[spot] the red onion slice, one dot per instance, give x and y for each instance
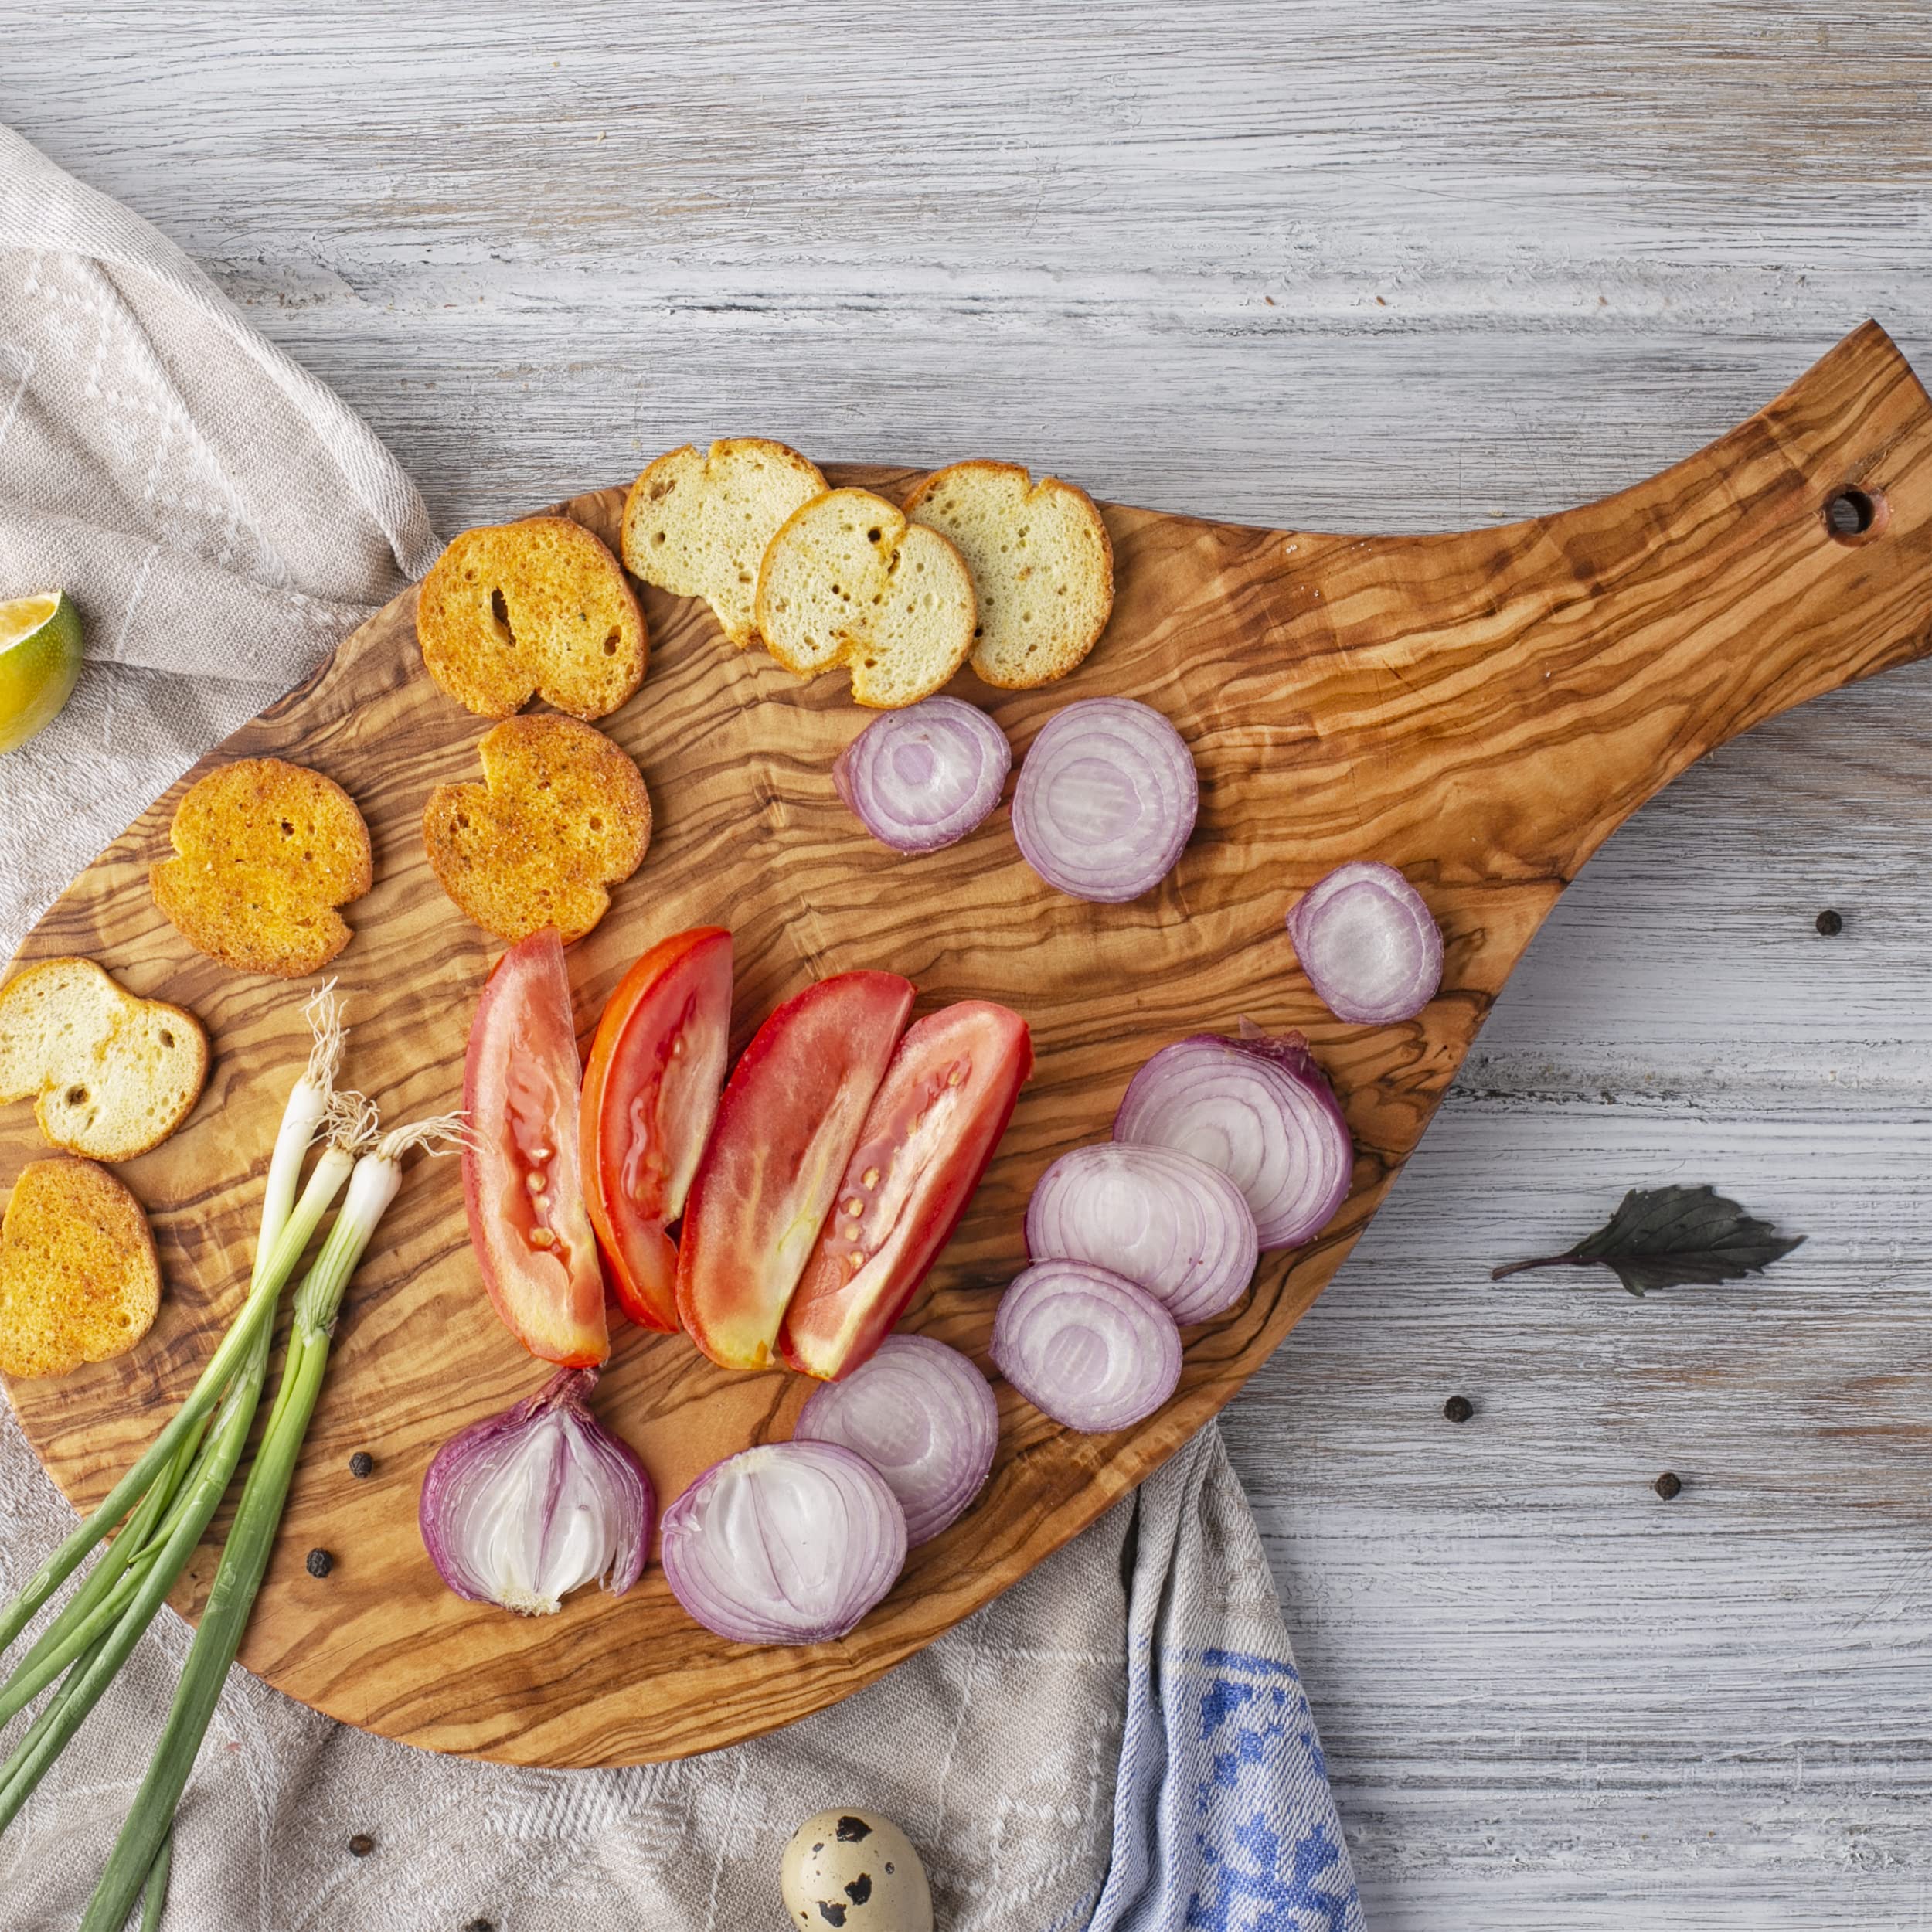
(791, 1542)
(1106, 800)
(1166, 1220)
(1085, 1346)
(1367, 943)
(924, 777)
(525, 1507)
(1258, 1109)
(922, 1415)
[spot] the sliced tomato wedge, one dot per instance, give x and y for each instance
(790, 1118)
(522, 1183)
(931, 1130)
(650, 1095)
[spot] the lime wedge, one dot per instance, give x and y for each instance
(40, 659)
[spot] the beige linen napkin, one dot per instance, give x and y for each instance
(221, 518)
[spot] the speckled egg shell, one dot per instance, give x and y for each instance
(852, 1871)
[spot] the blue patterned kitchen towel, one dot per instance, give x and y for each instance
(1222, 1816)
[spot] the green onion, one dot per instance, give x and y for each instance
(154, 1895)
(166, 1502)
(29, 1759)
(94, 1670)
(255, 1322)
(285, 1227)
(127, 1550)
(176, 1486)
(245, 1555)
(312, 1103)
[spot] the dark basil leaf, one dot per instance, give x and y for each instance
(1665, 1237)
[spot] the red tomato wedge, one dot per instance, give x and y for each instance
(788, 1122)
(650, 1095)
(934, 1124)
(522, 1183)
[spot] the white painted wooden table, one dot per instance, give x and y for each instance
(1337, 266)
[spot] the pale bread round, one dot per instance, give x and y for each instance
(1041, 562)
(698, 525)
(847, 580)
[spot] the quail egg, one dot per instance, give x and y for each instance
(853, 1871)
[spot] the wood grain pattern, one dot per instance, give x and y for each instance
(1481, 709)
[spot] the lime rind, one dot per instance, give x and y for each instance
(40, 658)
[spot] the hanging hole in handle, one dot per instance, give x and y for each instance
(1854, 516)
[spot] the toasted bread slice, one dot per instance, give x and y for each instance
(79, 1281)
(536, 608)
(110, 1076)
(847, 580)
(561, 816)
(697, 526)
(1041, 562)
(266, 851)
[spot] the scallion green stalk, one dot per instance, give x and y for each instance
(127, 1550)
(27, 1762)
(154, 1894)
(195, 1509)
(78, 1630)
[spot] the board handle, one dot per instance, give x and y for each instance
(1563, 669)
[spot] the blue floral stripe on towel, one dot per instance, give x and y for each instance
(1223, 1816)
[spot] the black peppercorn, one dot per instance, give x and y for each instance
(1831, 924)
(1458, 1409)
(1667, 1485)
(361, 1845)
(361, 1464)
(320, 1562)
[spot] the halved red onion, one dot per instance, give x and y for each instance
(1166, 1220)
(790, 1542)
(924, 777)
(1085, 1346)
(922, 1415)
(1106, 800)
(1367, 943)
(522, 1508)
(1257, 1108)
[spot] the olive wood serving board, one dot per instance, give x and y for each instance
(1481, 709)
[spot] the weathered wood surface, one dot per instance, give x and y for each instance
(1145, 244)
